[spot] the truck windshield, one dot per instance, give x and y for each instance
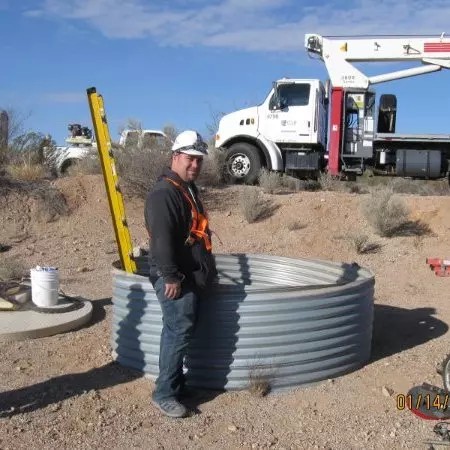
(295, 94)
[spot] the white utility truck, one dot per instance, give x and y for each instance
(305, 127)
(81, 142)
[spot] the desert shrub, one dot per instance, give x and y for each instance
(295, 224)
(26, 158)
(270, 181)
(253, 206)
(11, 269)
(139, 169)
(296, 184)
(260, 377)
(329, 182)
(212, 173)
(53, 201)
(361, 243)
(26, 170)
(420, 187)
(88, 165)
(385, 211)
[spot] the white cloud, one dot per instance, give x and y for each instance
(251, 25)
(64, 97)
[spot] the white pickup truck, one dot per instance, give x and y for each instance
(81, 142)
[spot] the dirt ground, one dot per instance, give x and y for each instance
(66, 392)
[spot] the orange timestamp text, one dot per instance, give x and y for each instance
(427, 402)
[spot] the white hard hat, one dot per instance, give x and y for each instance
(191, 143)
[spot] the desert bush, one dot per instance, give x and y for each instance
(139, 169)
(212, 173)
(420, 187)
(88, 165)
(11, 269)
(253, 206)
(53, 201)
(329, 182)
(260, 377)
(259, 383)
(361, 243)
(296, 184)
(270, 181)
(385, 211)
(295, 224)
(26, 171)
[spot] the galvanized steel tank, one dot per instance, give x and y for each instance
(294, 321)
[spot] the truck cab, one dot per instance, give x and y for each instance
(287, 132)
(81, 144)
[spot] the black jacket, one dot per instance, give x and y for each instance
(168, 221)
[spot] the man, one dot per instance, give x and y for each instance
(181, 262)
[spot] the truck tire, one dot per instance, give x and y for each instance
(243, 163)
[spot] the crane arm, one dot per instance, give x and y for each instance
(339, 52)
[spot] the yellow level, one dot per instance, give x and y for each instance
(115, 197)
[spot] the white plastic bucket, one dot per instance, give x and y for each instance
(44, 286)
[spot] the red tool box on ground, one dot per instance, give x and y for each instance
(441, 267)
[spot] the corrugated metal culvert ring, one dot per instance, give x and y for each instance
(290, 321)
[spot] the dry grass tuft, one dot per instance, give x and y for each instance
(259, 381)
(362, 245)
(270, 181)
(139, 169)
(329, 182)
(385, 211)
(295, 224)
(26, 171)
(11, 269)
(389, 215)
(253, 206)
(213, 169)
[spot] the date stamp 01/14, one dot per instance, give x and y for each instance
(426, 401)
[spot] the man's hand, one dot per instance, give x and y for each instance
(173, 290)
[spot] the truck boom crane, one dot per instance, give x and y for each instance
(338, 54)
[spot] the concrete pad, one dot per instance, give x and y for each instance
(29, 324)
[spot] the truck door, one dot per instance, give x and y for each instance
(322, 118)
(294, 122)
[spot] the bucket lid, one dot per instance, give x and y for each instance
(45, 269)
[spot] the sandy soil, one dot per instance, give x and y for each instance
(66, 392)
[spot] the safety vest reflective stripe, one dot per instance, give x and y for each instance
(199, 226)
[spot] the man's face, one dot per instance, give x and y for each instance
(187, 166)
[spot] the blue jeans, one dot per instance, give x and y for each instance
(179, 318)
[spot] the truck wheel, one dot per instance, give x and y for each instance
(243, 163)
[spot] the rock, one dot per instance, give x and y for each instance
(232, 428)
(55, 407)
(228, 213)
(82, 269)
(137, 251)
(387, 392)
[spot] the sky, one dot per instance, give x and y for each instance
(183, 62)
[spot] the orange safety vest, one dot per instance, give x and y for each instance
(199, 227)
